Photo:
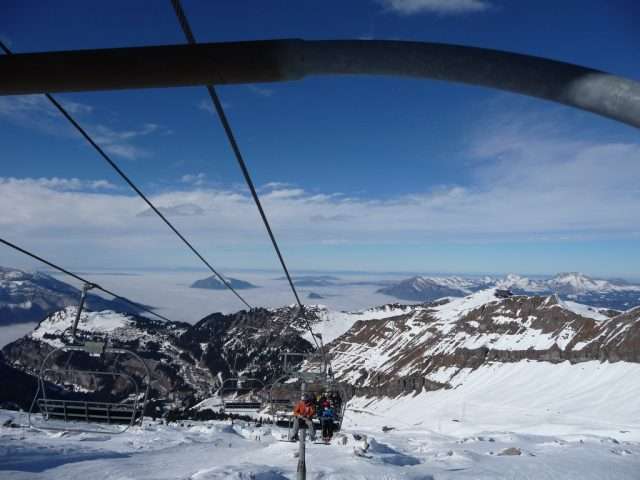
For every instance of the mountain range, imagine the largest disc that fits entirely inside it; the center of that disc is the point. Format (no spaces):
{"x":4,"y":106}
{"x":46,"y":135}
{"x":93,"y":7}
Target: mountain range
{"x":29,"y":297}
{"x":615,"y":294}
{"x":380,"y":352}
{"x":383,"y":351}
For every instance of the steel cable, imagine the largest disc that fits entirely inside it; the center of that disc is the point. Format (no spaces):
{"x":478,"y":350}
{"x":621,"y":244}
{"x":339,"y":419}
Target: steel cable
{"x":124,"y":176}
{"x":82,"y":279}
{"x":188,"y":33}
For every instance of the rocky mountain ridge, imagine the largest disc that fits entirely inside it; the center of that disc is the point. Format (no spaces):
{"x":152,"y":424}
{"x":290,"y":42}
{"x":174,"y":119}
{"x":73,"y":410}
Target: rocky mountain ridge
{"x":431,"y":345}
{"x":383,"y":351}
{"x":187,"y":362}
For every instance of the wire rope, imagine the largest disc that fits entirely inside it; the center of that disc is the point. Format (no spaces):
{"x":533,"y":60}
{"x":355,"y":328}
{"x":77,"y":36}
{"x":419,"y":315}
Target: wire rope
{"x":135,"y":188}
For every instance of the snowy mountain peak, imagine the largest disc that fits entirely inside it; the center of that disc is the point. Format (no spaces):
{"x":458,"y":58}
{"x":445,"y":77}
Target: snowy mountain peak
{"x":514,"y":281}
{"x":572,"y":277}
{"x":455,"y":308}
{"x":574,"y":286}
{"x":579,"y":282}
{"x":90,"y":322}
{"x":118,"y":328}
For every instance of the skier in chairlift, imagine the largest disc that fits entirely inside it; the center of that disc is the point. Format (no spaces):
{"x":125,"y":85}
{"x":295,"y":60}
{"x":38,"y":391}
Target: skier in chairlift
{"x":304,"y":410}
{"x":327,"y":417}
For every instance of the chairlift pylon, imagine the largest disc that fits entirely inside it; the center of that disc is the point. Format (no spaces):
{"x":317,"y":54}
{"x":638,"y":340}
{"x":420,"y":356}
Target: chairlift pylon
{"x":76,"y":409}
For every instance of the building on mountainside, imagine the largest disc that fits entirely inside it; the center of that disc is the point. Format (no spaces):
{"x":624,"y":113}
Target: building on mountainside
{"x":501,"y":293}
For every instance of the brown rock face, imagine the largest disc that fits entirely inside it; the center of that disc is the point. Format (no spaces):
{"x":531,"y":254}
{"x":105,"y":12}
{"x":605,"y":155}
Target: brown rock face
{"x":187,"y":362}
{"x":426,"y":349}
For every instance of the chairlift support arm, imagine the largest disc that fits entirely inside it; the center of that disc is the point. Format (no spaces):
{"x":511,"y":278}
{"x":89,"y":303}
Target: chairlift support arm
{"x":85,"y":288}
{"x":286,"y":60}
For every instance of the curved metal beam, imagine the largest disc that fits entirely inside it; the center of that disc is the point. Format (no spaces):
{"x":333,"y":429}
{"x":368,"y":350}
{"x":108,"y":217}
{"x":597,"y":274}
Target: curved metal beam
{"x":283,"y":60}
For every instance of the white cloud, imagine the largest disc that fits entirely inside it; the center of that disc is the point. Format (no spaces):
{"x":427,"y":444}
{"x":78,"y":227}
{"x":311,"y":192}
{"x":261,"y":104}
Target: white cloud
{"x":444,"y":7}
{"x":61,"y":184}
{"x":284,"y":193}
{"x":529,"y":182}
{"x":196,"y":179}
{"x":274,"y":186}
{"x":119,"y":142}
{"x":33,"y":111}
{"x":261,"y":91}
{"x":36,"y":112}
{"x":28,"y":109}
{"x":104,"y":134}
{"x":206,"y":105}
{"x":182,"y":210}
{"x":537,"y":189}
{"x":125,"y":150}
{"x":76,"y":108}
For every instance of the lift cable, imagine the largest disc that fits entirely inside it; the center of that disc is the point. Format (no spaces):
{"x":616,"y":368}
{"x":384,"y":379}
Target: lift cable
{"x":124,"y":176}
{"x":188,"y":33}
{"x":83,"y":280}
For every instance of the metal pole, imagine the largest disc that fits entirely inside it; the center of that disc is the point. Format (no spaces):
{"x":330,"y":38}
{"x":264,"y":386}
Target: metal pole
{"x":302,"y":433}
{"x":302,"y":463}
{"x":83,"y":297}
{"x":286,"y":60}
{"x":325,"y":363}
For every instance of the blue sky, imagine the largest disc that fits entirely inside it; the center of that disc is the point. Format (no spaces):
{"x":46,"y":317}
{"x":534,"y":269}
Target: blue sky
{"x":363,"y":173}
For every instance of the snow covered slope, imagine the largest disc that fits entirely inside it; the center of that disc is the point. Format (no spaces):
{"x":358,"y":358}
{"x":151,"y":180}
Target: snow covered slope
{"x":428,"y":347}
{"x":420,"y":441}
{"x":331,"y":324}
{"x":477,"y":387}
{"x":525,"y":397}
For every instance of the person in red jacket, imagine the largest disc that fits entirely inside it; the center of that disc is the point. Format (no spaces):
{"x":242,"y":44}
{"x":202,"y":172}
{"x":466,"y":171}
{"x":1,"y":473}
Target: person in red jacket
{"x":305,"y":411}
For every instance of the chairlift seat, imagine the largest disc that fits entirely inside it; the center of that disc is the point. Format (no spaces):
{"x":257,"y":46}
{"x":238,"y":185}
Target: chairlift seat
{"x":91,"y":412}
{"x":243,"y":405}
{"x":283,"y":396}
{"x":88,"y":416}
{"x":231,"y":392}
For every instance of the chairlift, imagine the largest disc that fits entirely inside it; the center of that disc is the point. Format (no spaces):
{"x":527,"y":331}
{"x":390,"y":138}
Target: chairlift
{"x":287,"y":390}
{"x":242,"y":395}
{"x":64,"y":407}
